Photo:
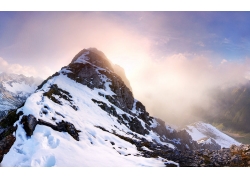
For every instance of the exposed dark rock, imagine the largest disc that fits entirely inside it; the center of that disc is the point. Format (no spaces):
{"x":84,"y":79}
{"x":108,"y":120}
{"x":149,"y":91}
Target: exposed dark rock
{"x":94,"y":71}
{"x":112,"y":143}
{"x":124,"y":98}
{"x":212,"y":145}
{"x":136,"y":126}
{"x":62,"y":126}
{"x":109,"y":109}
{"x":168,"y":164}
{"x":96,"y":58}
{"x":55,"y":90}
{"x":45,"y":123}
{"x":29,"y":124}
{"x":5,"y":145}
{"x":59,"y":114}
{"x":161,"y":129}
{"x":120,"y":72}
{"x":7,"y":131}
{"x":236,"y":156}
{"x":10,"y":119}
{"x":85,"y":74}
{"x":70,"y":128}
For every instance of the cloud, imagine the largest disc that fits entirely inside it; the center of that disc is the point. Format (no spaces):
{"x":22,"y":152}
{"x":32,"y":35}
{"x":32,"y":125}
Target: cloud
{"x":171,"y":88}
{"x":223,"y":61}
{"x":16,"y":68}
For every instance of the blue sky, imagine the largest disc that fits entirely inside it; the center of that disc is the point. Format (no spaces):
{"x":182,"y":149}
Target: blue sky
{"x":220,"y":35}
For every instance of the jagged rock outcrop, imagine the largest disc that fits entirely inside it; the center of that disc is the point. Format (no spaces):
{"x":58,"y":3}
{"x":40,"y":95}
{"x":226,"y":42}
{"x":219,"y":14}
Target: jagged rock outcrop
{"x":7,"y":129}
{"x":120,"y":72}
{"x":5,"y":145}
{"x":93,"y":69}
{"x":29,"y":124}
{"x":209,"y":143}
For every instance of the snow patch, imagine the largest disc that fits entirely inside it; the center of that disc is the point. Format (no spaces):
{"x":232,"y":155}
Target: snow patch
{"x":200,"y":131}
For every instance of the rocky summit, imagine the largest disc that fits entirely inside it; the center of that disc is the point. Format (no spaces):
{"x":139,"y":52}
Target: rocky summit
{"x":86,"y":112}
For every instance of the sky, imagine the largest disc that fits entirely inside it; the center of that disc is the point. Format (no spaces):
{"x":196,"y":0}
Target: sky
{"x":170,"y":58}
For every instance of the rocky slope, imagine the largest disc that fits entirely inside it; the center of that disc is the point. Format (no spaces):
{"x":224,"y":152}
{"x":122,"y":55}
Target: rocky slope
{"x":86,"y":112}
{"x":14,"y":90}
{"x":120,"y":72}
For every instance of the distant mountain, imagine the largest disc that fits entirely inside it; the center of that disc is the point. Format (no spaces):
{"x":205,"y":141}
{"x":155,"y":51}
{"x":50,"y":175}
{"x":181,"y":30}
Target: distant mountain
{"x":205,"y":133}
{"x":85,"y":115}
{"x":230,"y":108}
{"x":14,"y":90}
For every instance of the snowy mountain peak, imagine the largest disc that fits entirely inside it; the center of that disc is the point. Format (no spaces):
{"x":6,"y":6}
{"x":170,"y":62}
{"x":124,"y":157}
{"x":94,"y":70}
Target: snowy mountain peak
{"x":94,"y":57}
{"x":87,"y":112}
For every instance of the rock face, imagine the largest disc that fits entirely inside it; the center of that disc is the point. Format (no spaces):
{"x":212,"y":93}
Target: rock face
{"x":29,"y":124}
{"x":5,"y":145}
{"x":92,"y":68}
{"x":120,"y":72}
{"x":209,"y":143}
{"x":7,"y":129}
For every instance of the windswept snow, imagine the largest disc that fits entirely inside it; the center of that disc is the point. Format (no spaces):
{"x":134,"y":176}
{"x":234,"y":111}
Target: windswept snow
{"x":201,"y":130}
{"x":47,"y":147}
{"x":154,"y":124}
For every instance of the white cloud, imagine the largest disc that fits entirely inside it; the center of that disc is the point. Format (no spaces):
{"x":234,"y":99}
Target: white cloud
{"x":171,"y":88}
{"x":17,"y":68}
{"x":223,"y":61}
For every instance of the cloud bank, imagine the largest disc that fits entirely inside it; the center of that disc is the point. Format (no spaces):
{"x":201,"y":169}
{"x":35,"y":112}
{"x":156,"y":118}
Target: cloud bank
{"x":172,"y":87}
{"x":16,"y":68}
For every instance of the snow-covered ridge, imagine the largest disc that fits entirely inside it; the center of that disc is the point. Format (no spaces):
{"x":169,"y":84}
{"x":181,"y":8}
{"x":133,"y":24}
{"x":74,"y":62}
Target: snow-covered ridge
{"x":203,"y":133}
{"x":109,"y":133}
{"x":86,"y":112}
{"x":49,"y":148}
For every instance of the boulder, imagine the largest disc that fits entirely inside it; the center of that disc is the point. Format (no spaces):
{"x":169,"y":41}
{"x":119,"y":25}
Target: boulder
{"x":29,"y":124}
